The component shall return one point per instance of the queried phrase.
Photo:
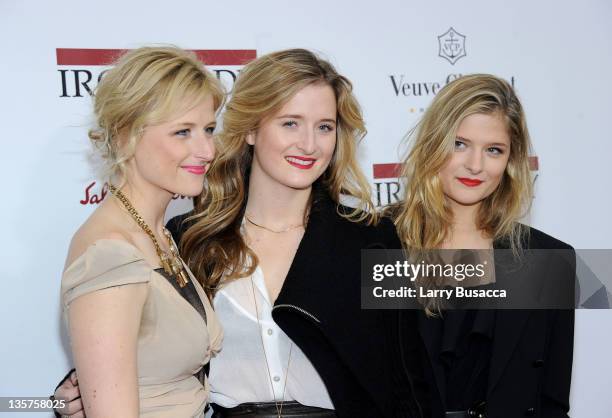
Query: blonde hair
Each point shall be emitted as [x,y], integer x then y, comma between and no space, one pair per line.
[213,245]
[423,220]
[147,86]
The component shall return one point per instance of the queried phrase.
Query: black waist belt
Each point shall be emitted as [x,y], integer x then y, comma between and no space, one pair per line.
[268,410]
[457,414]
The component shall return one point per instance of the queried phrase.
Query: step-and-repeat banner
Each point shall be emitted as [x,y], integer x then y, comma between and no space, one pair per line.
[397,53]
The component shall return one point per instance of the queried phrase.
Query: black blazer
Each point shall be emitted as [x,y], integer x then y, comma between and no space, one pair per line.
[356,352]
[531,363]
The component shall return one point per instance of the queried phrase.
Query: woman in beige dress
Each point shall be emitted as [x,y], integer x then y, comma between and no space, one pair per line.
[141,327]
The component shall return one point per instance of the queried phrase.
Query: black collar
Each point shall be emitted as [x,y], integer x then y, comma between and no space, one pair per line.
[310,267]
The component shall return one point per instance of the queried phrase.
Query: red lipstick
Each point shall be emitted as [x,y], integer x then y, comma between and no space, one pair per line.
[303,163]
[470,182]
[195,169]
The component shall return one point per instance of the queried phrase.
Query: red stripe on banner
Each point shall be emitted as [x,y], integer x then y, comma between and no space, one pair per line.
[75,56]
[72,56]
[226,56]
[387,171]
[534,163]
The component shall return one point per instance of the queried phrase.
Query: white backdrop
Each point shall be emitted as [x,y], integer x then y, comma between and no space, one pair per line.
[557,52]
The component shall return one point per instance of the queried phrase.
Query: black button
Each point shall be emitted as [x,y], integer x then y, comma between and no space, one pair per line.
[538,363]
[530,412]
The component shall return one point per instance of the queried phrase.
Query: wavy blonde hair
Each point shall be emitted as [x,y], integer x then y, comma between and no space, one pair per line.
[424,218]
[146,86]
[213,244]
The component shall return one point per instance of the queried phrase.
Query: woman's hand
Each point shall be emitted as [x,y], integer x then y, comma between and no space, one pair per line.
[68,391]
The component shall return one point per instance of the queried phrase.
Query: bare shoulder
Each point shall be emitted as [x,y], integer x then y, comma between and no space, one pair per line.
[97,227]
[108,223]
[98,283]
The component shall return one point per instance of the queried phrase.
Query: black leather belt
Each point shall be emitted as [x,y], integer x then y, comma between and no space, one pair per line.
[268,410]
[457,414]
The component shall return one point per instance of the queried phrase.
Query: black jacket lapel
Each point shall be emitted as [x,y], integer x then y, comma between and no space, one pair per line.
[312,260]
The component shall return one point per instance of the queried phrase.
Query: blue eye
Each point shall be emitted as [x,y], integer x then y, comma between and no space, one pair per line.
[495,150]
[459,145]
[210,130]
[182,132]
[326,127]
[290,123]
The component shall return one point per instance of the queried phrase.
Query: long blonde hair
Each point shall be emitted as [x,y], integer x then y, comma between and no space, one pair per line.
[147,85]
[424,218]
[213,245]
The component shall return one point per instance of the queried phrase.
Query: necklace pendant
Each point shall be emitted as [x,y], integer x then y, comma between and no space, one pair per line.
[165,262]
[182,279]
[176,265]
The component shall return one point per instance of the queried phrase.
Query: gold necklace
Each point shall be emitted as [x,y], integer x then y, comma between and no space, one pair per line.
[279,409]
[172,263]
[272,230]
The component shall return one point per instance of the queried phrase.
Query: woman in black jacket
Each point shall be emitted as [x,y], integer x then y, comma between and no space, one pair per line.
[468,184]
[287,153]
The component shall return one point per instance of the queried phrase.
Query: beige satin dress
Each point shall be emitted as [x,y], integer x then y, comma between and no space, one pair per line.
[174,341]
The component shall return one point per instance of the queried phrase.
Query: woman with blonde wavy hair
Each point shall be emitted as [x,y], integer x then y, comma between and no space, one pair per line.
[280,254]
[468,183]
[140,324]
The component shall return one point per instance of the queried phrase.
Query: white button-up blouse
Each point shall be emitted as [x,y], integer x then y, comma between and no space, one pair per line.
[241,372]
